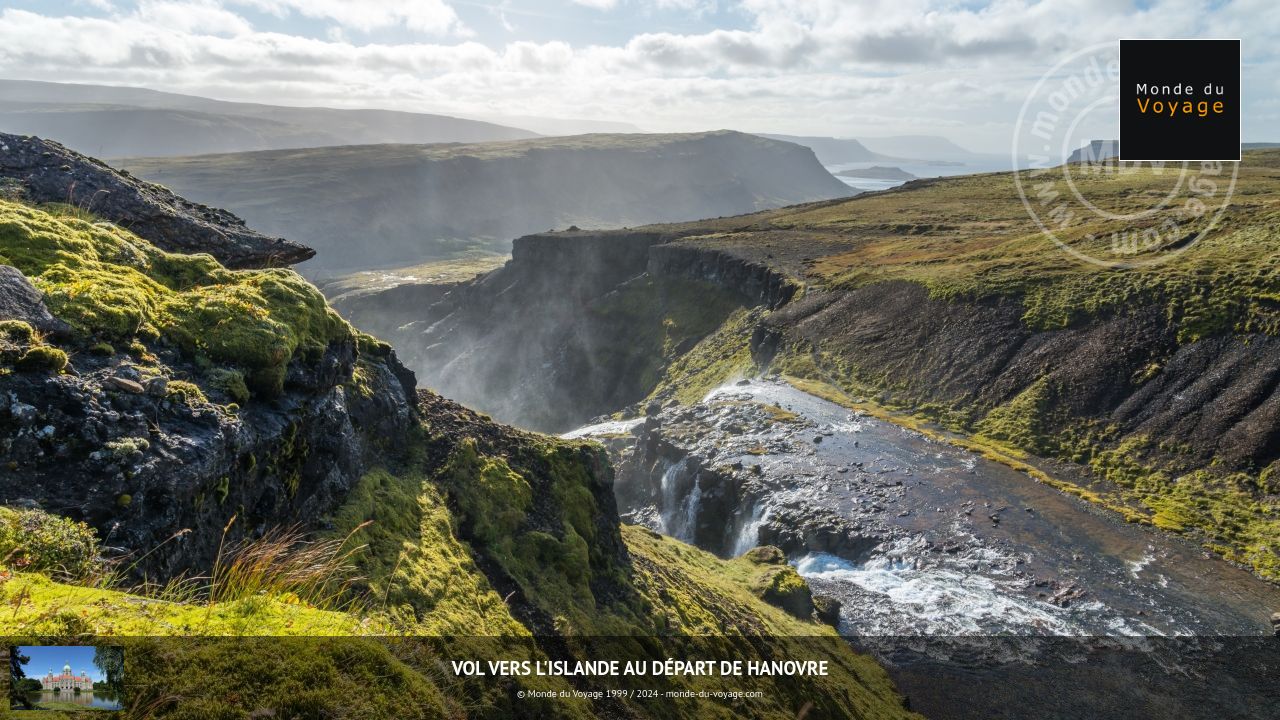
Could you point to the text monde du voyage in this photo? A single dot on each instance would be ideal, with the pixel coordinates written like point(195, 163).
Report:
point(1181, 99)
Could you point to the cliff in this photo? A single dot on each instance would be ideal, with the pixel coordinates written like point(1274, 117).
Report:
point(197, 451)
point(1150, 391)
point(379, 206)
point(41, 171)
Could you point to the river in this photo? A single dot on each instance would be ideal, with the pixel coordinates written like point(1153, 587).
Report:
point(925, 542)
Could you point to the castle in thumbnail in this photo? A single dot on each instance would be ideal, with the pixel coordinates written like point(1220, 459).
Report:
point(66, 681)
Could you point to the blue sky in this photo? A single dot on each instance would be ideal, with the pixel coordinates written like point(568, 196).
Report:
point(821, 67)
point(44, 659)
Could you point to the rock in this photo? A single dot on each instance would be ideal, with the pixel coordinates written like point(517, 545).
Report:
point(157, 386)
point(1275, 623)
point(125, 384)
point(20, 300)
point(827, 609)
point(150, 211)
point(766, 555)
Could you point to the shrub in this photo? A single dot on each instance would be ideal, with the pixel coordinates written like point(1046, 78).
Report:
point(38, 541)
point(42, 358)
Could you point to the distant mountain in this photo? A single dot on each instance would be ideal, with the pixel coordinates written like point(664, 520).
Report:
point(831, 151)
point(878, 172)
point(919, 147)
point(380, 206)
point(1096, 151)
point(563, 126)
point(108, 121)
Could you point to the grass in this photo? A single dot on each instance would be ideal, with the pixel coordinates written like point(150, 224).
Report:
point(35, 605)
point(284, 563)
point(435, 272)
point(969, 238)
point(719, 357)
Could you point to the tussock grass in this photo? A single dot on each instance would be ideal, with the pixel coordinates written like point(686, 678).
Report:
point(284, 563)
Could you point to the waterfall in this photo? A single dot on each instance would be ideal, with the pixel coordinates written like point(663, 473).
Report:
point(670, 493)
point(688, 528)
point(749, 534)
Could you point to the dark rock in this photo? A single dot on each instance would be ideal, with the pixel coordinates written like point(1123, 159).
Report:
point(157, 386)
point(20, 300)
point(150, 211)
point(827, 609)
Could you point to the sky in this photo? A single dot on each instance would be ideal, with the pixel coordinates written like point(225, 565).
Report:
point(840, 68)
point(44, 659)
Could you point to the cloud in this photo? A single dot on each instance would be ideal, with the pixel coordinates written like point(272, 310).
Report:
point(597, 4)
point(192, 16)
point(426, 16)
point(801, 66)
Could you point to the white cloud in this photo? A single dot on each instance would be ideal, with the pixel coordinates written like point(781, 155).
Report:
point(597, 4)
point(426, 16)
point(806, 67)
point(192, 16)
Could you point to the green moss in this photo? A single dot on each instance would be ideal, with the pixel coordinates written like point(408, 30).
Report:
point(783, 587)
point(42, 358)
point(185, 392)
point(1023, 420)
point(110, 285)
point(230, 382)
point(370, 345)
point(34, 540)
point(719, 357)
point(102, 349)
point(55, 609)
point(18, 331)
point(126, 448)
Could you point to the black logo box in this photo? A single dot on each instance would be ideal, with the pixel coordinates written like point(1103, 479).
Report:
point(1180, 65)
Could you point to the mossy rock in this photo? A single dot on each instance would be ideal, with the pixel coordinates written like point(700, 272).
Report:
point(784, 588)
point(184, 391)
point(766, 555)
point(230, 382)
point(38, 541)
point(42, 358)
point(112, 286)
point(17, 331)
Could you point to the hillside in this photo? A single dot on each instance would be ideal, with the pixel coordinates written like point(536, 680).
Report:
point(198, 451)
point(365, 207)
point(831, 151)
point(1150, 391)
point(108, 121)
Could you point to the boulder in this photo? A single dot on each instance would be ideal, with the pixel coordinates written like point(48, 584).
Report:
point(20, 300)
point(44, 171)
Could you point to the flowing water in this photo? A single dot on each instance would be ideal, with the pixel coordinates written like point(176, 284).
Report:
point(963, 545)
